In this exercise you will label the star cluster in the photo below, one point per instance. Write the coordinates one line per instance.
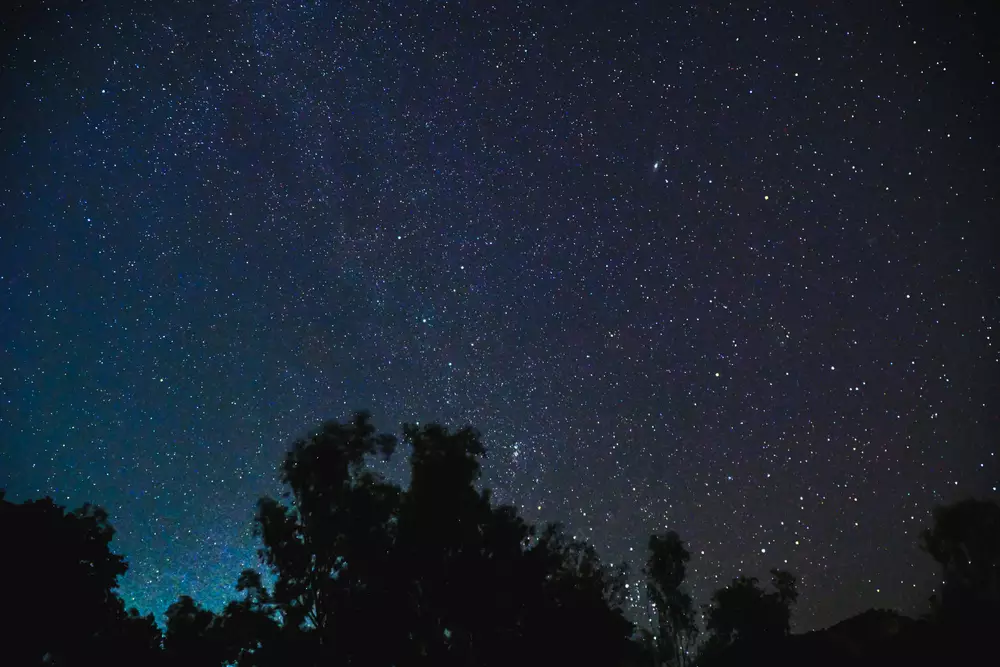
(725, 270)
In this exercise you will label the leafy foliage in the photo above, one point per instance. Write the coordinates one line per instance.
(367, 573)
(61, 605)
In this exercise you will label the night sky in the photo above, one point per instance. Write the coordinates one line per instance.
(687, 266)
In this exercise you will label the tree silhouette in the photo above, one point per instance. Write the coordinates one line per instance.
(245, 634)
(132, 639)
(744, 613)
(581, 603)
(192, 638)
(366, 573)
(786, 586)
(442, 540)
(61, 606)
(965, 541)
(666, 569)
(324, 548)
(248, 629)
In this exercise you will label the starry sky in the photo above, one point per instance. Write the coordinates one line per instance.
(720, 269)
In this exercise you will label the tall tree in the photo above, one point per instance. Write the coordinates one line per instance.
(61, 605)
(435, 575)
(666, 569)
(445, 534)
(746, 613)
(326, 545)
(489, 589)
(579, 619)
(965, 541)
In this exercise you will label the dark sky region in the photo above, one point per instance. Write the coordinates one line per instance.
(721, 269)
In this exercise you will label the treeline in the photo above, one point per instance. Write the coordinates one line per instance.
(367, 573)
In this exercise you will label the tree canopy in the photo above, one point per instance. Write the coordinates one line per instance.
(363, 572)
(744, 613)
(61, 606)
(368, 573)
